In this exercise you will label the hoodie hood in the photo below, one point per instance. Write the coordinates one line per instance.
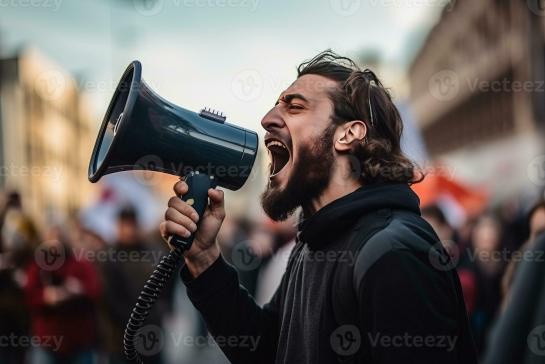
(333, 219)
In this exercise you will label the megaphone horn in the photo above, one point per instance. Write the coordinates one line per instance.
(140, 123)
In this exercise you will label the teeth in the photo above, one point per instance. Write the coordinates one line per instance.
(274, 142)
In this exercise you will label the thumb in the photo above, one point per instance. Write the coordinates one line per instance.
(216, 202)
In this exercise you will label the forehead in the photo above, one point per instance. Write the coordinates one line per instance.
(312, 87)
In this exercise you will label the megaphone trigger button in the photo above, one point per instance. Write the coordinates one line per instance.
(190, 202)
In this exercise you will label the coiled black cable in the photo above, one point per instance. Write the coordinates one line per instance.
(152, 289)
(197, 196)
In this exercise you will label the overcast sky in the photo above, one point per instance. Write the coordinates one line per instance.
(234, 55)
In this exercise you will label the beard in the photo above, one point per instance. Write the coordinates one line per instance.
(309, 178)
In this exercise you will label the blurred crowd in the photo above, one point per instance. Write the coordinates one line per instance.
(66, 293)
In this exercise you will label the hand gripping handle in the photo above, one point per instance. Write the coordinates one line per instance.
(196, 196)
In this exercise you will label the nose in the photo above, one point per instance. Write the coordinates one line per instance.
(272, 120)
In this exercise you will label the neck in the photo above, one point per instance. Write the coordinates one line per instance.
(333, 191)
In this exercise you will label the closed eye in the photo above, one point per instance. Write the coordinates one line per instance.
(295, 107)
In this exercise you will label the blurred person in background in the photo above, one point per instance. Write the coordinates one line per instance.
(536, 226)
(62, 292)
(18, 239)
(518, 335)
(436, 218)
(128, 265)
(283, 236)
(88, 243)
(484, 269)
(450, 240)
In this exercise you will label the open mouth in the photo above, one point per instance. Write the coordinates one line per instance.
(280, 155)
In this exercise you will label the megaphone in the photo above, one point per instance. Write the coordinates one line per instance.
(143, 131)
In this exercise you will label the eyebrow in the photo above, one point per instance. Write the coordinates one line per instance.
(290, 97)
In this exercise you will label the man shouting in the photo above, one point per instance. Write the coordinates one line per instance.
(368, 280)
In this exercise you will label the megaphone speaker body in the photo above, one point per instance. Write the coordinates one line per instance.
(143, 131)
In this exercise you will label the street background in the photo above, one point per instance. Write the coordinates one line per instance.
(468, 78)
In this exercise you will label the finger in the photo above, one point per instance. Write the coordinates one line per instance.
(175, 216)
(163, 229)
(164, 234)
(216, 202)
(172, 228)
(180, 188)
(183, 207)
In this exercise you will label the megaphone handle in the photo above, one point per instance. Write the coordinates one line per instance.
(196, 196)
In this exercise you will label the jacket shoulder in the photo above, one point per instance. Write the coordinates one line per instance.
(404, 234)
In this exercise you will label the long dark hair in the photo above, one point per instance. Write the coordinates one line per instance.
(361, 96)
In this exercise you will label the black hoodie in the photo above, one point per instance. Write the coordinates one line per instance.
(407, 310)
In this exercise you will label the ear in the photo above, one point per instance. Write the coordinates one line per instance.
(349, 134)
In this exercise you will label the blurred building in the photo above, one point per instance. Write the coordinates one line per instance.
(477, 90)
(45, 136)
